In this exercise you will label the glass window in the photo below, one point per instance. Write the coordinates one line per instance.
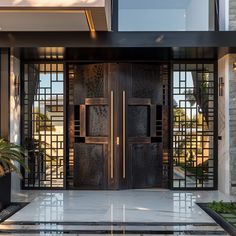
(166, 15)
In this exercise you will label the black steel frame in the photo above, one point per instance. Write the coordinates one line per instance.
(27, 185)
(66, 82)
(215, 135)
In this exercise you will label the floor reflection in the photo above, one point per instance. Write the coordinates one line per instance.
(116, 206)
(131, 212)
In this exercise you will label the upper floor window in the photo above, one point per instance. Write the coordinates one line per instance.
(166, 15)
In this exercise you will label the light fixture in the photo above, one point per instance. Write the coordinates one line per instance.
(221, 86)
(234, 66)
(160, 38)
(90, 21)
(17, 85)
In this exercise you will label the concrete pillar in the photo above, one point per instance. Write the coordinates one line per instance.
(232, 14)
(15, 113)
(10, 104)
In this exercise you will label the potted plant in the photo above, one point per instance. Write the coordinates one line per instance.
(12, 157)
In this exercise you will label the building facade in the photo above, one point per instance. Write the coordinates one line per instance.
(120, 94)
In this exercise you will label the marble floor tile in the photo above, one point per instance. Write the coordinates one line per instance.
(132, 212)
(115, 206)
(70, 210)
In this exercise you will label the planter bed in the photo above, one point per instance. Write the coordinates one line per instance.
(5, 191)
(11, 210)
(226, 220)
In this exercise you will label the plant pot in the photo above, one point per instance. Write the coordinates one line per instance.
(5, 191)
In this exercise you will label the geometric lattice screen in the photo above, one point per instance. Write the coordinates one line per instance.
(194, 119)
(43, 125)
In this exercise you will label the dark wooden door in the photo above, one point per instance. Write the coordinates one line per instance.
(91, 121)
(142, 99)
(118, 126)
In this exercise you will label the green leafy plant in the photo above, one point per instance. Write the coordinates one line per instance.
(10, 156)
(223, 207)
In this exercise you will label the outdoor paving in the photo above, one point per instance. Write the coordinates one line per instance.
(156, 212)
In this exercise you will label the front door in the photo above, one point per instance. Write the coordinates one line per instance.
(118, 126)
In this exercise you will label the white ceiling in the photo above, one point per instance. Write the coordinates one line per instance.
(41, 21)
(52, 3)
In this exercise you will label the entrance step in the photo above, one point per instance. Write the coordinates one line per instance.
(105, 228)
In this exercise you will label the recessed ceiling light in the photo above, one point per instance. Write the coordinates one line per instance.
(160, 38)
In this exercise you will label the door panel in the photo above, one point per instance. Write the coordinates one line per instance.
(97, 120)
(91, 126)
(90, 165)
(118, 126)
(145, 165)
(144, 93)
(138, 119)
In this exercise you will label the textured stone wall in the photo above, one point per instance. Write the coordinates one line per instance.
(232, 122)
(227, 126)
(232, 15)
(223, 130)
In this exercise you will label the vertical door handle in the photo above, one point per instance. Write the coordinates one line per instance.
(112, 134)
(124, 133)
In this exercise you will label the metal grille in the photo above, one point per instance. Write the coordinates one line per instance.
(194, 146)
(43, 124)
(71, 126)
(164, 73)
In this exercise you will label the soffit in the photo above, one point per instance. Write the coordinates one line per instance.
(66, 15)
(52, 3)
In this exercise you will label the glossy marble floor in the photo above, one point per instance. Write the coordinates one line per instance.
(133, 209)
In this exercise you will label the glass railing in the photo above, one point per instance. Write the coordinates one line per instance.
(168, 15)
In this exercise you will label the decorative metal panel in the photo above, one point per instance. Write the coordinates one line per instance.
(43, 125)
(91, 126)
(194, 132)
(97, 121)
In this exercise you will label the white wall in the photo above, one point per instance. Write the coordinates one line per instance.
(14, 116)
(197, 15)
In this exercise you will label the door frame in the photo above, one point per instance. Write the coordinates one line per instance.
(117, 182)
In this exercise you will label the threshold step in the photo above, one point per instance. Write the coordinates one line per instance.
(130, 228)
(65, 234)
(109, 228)
(110, 223)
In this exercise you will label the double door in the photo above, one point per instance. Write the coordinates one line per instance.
(118, 123)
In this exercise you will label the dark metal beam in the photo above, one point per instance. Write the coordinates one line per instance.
(118, 39)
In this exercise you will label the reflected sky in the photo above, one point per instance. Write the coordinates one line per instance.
(189, 85)
(164, 15)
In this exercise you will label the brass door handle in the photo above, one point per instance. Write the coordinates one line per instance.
(112, 134)
(117, 141)
(124, 133)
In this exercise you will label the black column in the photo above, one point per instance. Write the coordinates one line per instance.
(5, 93)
